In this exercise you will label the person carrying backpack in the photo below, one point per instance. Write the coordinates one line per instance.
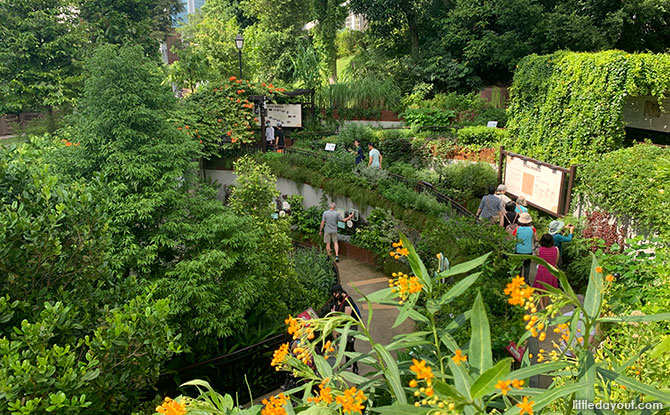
(510, 218)
(343, 303)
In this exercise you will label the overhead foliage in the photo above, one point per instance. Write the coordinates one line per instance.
(567, 107)
(41, 46)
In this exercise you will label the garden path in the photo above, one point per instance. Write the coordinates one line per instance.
(367, 280)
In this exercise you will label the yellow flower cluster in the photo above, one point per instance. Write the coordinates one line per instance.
(351, 401)
(427, 394)
(405, 285)
(171, 407)
(422, 371)
(399, 250)
(520, 293)
(302, 353)
(507, 385)
(279, 356)
(324, 394)
(275, 406)
(459, 357)
(298, 329)
(552, 355)
(533, 326)
(328, 348)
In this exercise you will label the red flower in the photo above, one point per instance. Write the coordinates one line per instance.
(200, 141)
(238, 101)
(238, 81)
(68, 144)
(232, 78)
(263, 84)
(219, 120)
(186, 126)
(270, 86)
(233, 140)
(229, 133)
(178, 128)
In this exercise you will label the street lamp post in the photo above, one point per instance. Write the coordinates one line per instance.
(239, 42)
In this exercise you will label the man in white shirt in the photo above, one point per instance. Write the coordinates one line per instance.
(269, 136)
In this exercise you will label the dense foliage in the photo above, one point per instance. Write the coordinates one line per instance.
(631, 182)
(559, 117)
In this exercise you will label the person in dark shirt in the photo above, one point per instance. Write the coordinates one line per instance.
(279, 137)
(359, 152)
(344, 304)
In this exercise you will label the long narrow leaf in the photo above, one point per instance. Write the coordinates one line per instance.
(480, 341)
(459, 288)
(634, 385)
(464, 267)
(548, 397)
(594, 291)
(392, 374)
(415, 262)
(486, 382)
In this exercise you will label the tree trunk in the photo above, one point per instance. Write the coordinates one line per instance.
(413, 33)
(51, 122)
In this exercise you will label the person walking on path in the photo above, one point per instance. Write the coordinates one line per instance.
(342, 303)
(521, 205)
(549, 253)
(489, 207)
(269, 136)
(526, 236)
(359, 152)
(509, 219)
(500, 194)
(279, 140)
(375, 157)
(329, 221)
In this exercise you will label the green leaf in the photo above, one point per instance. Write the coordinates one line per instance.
(418, 268)
(392, 374)
(587, 373)
(635, 319)
(538, 369)
(464, 267)
(342, 344)
(554, 271)
(485, 384)
(323, 367)
(548, 397)
(462, 380)
(445, 389)
(402, 410)
(660, 349)
(416, 316)
(318, 410)
(459, 288)
(594, 292)
(90, 375)
(480, 341)
(634, 385)
(405, 311)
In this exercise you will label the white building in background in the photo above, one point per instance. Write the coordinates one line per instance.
(355, 22)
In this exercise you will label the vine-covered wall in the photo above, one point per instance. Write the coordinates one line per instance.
(567, 107)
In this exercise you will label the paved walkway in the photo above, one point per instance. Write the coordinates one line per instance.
(367, 280)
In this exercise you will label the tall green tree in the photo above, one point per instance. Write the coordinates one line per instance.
(329, 16)
(41, 47)
(142, 22)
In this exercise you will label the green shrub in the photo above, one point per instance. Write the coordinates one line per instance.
(315, 273)
(467, 180)
(428, 117)
(379, 234)
(394, 145)
(630, 182)
(567, 107)
(351, 132)
(480, 136)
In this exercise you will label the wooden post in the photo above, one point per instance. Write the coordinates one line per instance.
(501, 157)
(571, 183)
(261, 112)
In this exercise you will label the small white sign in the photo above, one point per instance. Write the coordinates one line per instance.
(492, 124)
(330, 146)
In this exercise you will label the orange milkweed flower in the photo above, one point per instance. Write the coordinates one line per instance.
(609, 278)
(171, 407)
(503, 385)
(459, 357)
(599, 270)
(526, 407)
(351, 401)
(422, 371)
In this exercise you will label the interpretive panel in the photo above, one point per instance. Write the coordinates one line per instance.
(290, 115)
(539, 184)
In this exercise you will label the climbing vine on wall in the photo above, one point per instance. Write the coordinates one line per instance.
(567, 107)
(220, 114)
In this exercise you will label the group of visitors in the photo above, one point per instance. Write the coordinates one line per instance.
(497, 208)
(374, 156)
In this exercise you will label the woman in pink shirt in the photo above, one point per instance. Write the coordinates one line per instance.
(549, 253)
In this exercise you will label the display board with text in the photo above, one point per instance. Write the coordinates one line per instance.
(540, 184)
(290, 115)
